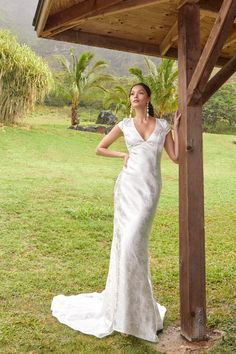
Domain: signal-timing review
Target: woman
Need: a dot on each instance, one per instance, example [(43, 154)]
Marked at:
[(127, 304)]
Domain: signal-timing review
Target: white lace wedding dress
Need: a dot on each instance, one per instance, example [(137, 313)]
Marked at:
[(126, 304)]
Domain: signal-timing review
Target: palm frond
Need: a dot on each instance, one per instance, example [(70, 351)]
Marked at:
[(65, 64), (99, 65), (137, 72), (151, 67), (162, 81)]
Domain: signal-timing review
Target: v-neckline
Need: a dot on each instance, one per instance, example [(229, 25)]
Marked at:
[(140, 134)]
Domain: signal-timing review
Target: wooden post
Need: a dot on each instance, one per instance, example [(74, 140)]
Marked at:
[(191, 197)]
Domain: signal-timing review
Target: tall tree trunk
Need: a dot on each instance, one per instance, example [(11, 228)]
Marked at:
[(74, 115)]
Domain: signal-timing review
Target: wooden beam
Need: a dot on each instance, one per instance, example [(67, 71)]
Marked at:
[(211, 51), (89, 9), (121, 44), (43, 16), (210, 5), (172, 53), (110, 42), (191, 196), (70, 16), (219, 79), (172, 35), (183, 2), (230, 41), (232, 37), (209, 13), (169, 39), (115, 43)]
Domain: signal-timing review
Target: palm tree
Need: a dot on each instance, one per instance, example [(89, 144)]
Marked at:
[(162, 80), (117, 96), (78, 78)]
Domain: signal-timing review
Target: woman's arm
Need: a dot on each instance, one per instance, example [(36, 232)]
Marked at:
[(172, 145), (102, 147)]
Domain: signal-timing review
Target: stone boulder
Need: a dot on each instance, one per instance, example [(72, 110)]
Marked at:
[(90, 128), (108, 129), (106, 117)]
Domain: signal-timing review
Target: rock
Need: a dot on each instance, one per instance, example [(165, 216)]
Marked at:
[(90, 128), (106, 117), (108, 129), (76, 127), (101, 129)]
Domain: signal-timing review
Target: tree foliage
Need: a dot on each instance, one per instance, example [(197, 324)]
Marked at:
[(221, 107), (79, 76), (117, 98), (24, 78), (162, 80)]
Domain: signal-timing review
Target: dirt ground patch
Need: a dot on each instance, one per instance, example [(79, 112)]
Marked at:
[(172, 342)]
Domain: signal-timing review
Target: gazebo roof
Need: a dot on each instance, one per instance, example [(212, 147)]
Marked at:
[(144, 27)]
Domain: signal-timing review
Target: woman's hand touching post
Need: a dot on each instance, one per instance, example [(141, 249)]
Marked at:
[(172, 145), (176, 119)]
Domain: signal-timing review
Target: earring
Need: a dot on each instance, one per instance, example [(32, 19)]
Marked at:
[(130, 112), (147, 110)]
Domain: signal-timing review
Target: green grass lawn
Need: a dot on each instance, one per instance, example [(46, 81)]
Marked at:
[(56, 198)]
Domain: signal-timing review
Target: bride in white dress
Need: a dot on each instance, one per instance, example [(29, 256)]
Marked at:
[(127, 304)]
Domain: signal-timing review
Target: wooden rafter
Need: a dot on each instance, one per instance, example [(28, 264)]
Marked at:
[(44, 12), (231, 41), (172, 35), (212, 14), (115, 43), (210, 5), (211, 51), (219, 79), (169, 39), (70, 17), (108, 42), (172, 54), (183, 2), (89, 9), (232, 37)]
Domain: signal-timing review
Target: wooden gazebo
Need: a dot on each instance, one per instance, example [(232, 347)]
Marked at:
[(200, 34)]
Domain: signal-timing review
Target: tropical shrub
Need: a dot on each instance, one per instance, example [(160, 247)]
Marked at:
[(220, 109), (117, 99), (162, 80), (24, 78), (57, 96)]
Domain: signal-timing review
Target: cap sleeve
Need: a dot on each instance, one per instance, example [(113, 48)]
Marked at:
[(167, 126), (120, 125)]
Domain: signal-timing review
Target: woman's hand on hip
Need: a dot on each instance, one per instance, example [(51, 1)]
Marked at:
[(126, 157)]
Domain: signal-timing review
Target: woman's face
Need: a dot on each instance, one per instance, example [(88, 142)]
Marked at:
[(138, 97)]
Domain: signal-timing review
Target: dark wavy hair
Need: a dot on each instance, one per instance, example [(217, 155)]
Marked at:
[(149, 93)]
